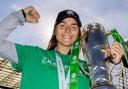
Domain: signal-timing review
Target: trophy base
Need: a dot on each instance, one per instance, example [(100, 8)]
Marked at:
[(105, 87)]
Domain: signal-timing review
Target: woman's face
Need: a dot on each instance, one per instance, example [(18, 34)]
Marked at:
[(67, 32)]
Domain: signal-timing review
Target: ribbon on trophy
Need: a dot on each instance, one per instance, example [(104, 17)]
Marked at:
[(119, 39)]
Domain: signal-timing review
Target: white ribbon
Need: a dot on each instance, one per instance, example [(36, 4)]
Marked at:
[(63, 82)]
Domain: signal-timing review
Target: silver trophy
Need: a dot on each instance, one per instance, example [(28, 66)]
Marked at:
[(94, 45)]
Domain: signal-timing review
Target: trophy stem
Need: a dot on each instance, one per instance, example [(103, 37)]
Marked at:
[(101, 78), (105, 87)]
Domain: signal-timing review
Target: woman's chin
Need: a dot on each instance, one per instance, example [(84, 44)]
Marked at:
[(68, 44)]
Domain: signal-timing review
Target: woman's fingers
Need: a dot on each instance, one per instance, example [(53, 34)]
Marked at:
[(32, 15)]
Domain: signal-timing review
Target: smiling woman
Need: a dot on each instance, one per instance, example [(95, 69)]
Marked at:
[(44, 62), (46, 69), (66, 33), (68, 24)]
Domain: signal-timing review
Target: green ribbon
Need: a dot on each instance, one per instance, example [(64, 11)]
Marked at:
[(119, 39), (29, 13), (74, 65)]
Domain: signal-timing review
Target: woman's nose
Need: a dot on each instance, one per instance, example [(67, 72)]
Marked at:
[(68, 30)]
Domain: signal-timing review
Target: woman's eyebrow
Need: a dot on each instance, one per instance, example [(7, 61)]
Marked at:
[(74, 24), (71, 24), (63, 22)]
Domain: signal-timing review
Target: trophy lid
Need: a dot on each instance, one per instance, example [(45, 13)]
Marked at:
[(96, 27)]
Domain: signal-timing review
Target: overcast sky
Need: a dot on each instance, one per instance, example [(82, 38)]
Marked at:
[(110, 13)]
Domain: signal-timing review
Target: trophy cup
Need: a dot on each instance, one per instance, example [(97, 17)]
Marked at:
[(93, 46)]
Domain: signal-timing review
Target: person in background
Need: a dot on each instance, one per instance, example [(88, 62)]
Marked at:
[(48, 69)]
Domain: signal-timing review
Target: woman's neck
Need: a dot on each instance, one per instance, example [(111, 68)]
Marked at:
[(63, 49)]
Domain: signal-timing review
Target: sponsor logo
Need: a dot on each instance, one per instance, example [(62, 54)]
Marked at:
[(73, 75), (70, 12)]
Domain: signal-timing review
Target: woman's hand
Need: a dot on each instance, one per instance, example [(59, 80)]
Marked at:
[(116, 51), (32, 16)]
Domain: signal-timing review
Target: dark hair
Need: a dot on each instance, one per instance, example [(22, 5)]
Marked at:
[(61, 16)]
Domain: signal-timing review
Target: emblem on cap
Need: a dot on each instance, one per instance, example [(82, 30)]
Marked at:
[(70, 12)]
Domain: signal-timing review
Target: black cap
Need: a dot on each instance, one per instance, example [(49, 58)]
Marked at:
[(68, 13)]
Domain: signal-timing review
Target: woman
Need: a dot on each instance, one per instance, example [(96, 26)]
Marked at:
[(39, 67)]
